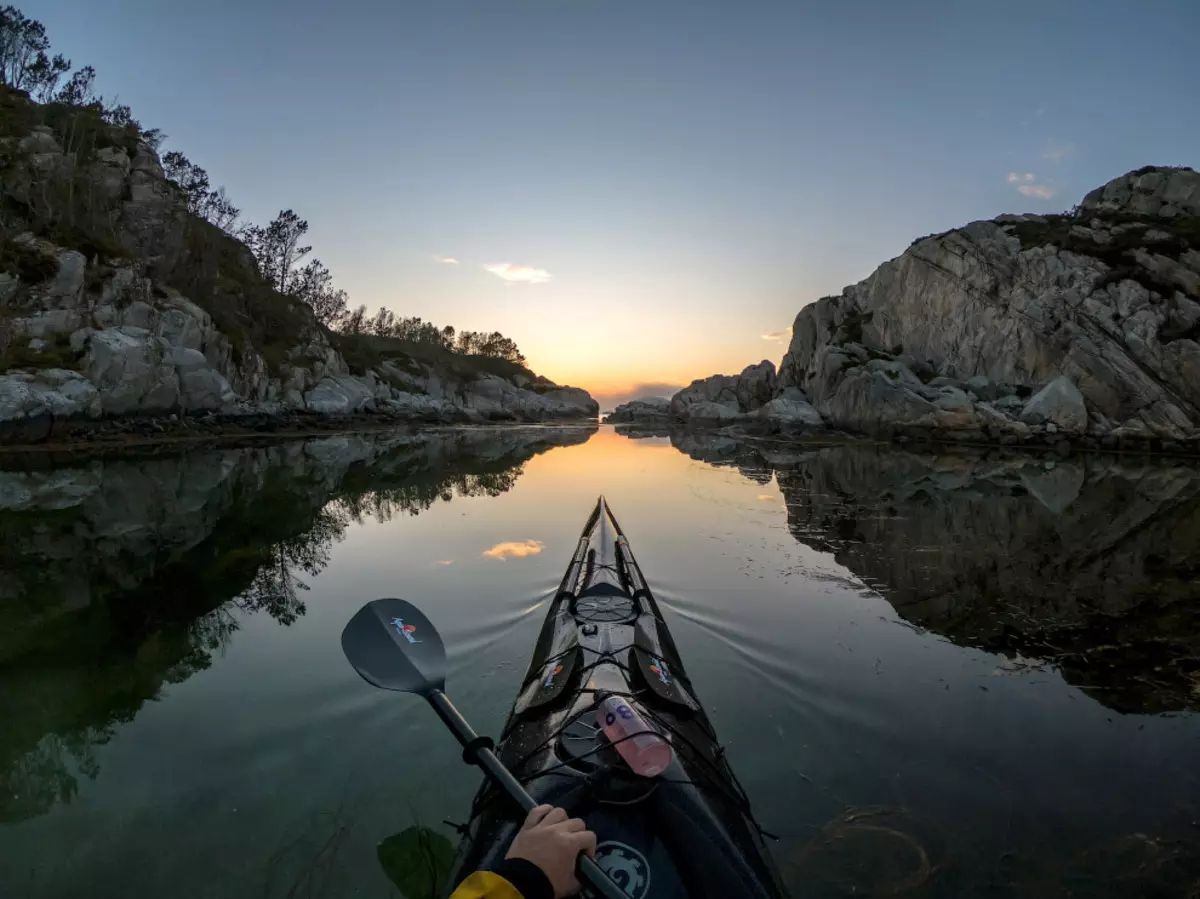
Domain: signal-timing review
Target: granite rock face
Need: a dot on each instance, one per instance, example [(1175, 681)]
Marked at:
[(1083, 326), (1096, 312), (750, 398)]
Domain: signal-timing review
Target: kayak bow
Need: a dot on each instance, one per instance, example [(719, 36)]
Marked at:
[(685, 833)]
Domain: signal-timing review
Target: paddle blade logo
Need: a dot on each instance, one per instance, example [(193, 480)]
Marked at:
[(626, 866), (551, 675), (623, 710), (405, 630), (664, 674)]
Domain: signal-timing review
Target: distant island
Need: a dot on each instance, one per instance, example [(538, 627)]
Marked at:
[(1026, 329)]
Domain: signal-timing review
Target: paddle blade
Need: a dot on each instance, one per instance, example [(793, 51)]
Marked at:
[(393, 646)]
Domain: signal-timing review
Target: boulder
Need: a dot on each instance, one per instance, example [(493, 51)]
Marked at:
[(183, 324), (339, 396), (743, 392), (201, 387), (755, 385), (54, 392), (956, 411), (715, 389), (875, 402), (705, 412), (985, 389), (897, 372), (128, 367), (571, 396), (497, 399), (791, 409), (647, 409), (1059, 403)]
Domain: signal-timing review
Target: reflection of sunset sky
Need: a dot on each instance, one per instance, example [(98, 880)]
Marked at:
[(514, 549), (900, 604)]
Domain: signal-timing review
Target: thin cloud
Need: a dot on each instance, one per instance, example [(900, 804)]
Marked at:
[(1057, 151), (446, 260), (765, 498), (518, 274), (444, 562), (517, 549), (785, 334), (1027, 185)]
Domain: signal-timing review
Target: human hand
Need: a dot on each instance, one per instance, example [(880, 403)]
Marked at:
[(553, 841)]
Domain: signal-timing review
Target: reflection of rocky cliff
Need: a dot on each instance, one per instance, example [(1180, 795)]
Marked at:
[(1091, 563), (118, 577)]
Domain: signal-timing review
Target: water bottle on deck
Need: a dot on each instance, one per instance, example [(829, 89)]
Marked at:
[(643, 748)]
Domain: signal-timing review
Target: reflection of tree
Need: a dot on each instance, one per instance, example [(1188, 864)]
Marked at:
[(67, 680), (47, 774), (385, 503), (274, 587)]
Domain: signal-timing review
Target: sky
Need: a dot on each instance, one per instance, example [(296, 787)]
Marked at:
[(641, 193)]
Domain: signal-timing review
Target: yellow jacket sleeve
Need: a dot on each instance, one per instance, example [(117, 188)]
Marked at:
[(486, 885), (513, 878)]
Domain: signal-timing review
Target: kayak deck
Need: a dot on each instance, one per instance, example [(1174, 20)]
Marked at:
[(686, 833)]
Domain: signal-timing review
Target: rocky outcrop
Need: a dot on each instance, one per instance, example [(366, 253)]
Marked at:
[(127, 347), (1150, 191), (1024, 329), (1097, 313), (1059, 405), (791, 409), (569, 397), (156, 312), (748, 399), (648, 410), (739, 393)]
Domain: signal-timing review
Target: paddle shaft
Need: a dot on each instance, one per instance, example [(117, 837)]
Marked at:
[(589, 872)]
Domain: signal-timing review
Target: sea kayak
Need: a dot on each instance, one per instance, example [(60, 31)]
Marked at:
[(687, 832)]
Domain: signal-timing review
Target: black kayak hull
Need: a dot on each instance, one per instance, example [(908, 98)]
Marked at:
[(685, 833)]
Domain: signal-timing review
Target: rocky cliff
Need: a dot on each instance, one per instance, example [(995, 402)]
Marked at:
[(115, 301), (1023, 328)]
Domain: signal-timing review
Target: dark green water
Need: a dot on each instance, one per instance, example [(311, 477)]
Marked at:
[(936, 675)]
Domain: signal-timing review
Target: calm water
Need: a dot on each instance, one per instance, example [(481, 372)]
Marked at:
[(936, 675)]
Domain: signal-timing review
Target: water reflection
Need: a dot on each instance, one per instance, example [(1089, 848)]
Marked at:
[(117, 576), (1089, 564), (890, 753)]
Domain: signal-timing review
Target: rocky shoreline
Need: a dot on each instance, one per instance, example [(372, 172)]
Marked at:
[(167, 433), (1028, 330), (159, 316)]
